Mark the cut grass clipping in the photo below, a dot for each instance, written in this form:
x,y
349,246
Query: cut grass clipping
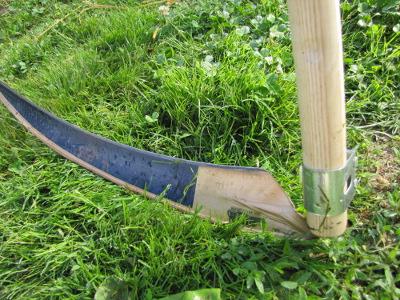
x,y
205,80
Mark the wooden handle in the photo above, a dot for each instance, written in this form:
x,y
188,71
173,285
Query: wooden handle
x,y
318,54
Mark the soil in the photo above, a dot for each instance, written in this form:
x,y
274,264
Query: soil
x,y
386,165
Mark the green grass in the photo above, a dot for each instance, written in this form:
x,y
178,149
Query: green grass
x,y
212,81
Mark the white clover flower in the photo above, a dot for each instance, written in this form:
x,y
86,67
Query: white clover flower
x,y
164,10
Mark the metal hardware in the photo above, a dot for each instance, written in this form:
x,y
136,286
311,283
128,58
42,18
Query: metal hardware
x,y
329,193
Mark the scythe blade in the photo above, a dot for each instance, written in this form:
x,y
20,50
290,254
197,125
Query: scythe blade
x,y
217,191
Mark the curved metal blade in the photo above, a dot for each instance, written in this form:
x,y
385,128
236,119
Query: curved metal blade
x,y
186,184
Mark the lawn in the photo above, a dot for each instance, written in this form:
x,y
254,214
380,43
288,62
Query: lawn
x,y
206,80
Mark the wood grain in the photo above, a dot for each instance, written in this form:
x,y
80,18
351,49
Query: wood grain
x,y
318,55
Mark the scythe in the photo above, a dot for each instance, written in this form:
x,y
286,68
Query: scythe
x,y
223,192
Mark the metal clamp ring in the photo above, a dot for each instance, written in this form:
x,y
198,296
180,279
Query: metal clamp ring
x,y
329,193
